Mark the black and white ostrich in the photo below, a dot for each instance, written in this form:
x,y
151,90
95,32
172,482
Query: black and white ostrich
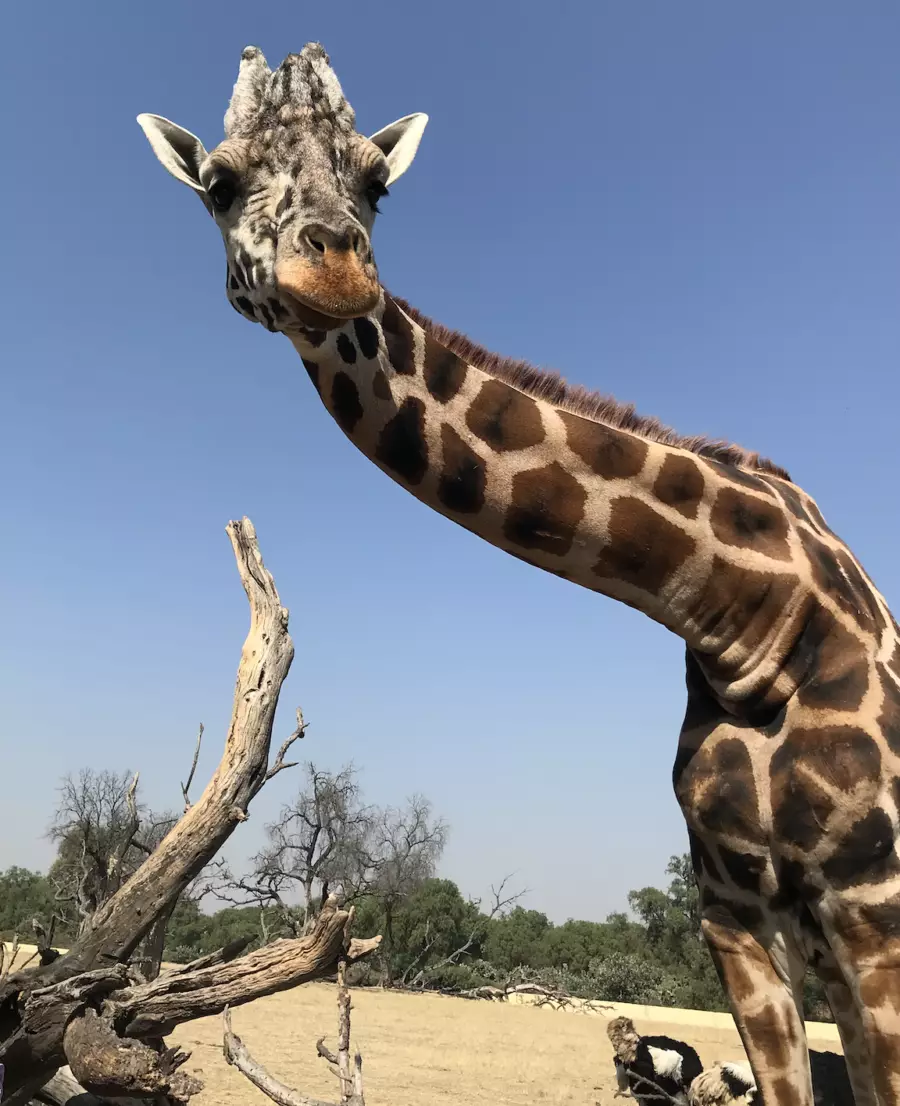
x,y
656,1071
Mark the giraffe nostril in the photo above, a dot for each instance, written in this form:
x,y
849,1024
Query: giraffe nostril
x,y
315,243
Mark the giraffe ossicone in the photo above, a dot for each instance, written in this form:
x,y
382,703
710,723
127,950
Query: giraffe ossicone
x,y
788,763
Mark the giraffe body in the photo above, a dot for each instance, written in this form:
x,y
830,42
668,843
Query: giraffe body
x,y
788,763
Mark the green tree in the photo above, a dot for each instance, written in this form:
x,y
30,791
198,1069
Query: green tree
x,y
24,895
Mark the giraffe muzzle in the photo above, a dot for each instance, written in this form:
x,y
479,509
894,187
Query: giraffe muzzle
x,y
334,282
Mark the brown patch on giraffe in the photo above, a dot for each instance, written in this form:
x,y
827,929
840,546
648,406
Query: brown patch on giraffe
x,y
702,709
839,579
745,869
547,504
768,1035
312,371
701,858
444,372
345,405
747,522
885,1067
889,718
610,453
553,389
401,445
839,678
717,792
398,339
504,418
644,549
733,598
380,386
462,482
680,484
843,758
865,854
883,918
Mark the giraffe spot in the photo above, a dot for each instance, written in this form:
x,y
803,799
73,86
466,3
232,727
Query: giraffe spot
x,y
367,336
680,484
401,444
643,548
832,577
731,474
268,320
702,707
444,372
505,418
790,496
746,522
345,403
245,307
314,337
547,506
312,370
232,282
885,1049
794,888
807,766
717,792
883,918
346,349
277,310
248,268
865,854
380,386
702,859
839,677
765,1031
736,600
612,454
398,338
287,198
744,869
461,486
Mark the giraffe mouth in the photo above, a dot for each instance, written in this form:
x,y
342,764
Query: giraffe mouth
x,y
311,318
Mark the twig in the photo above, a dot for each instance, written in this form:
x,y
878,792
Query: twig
x,y
297,735
186,787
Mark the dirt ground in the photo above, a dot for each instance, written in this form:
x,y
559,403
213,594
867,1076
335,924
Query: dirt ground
x,y
427,1049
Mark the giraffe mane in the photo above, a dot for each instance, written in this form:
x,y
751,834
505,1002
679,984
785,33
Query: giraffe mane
x,y
550,386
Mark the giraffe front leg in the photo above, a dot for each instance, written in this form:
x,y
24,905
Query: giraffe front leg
x,y
765,1011
850,1026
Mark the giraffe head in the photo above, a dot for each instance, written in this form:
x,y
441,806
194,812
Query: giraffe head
x,y
294,189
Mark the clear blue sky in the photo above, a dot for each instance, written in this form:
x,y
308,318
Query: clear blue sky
x,y
693,206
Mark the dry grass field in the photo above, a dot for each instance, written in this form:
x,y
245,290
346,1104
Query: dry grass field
x,y
427,1050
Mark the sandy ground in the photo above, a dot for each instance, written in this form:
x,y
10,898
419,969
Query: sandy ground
x,y
421,1049
428,1049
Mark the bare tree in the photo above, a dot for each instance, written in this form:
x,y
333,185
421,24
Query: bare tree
x,y
404,846
88,1008
318,842
103,834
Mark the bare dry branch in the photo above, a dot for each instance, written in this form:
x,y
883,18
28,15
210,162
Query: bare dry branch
x,y
350,1075
298,734
186,786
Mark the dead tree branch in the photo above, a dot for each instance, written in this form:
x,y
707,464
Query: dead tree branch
x,y
186,786
88,1002
349,1073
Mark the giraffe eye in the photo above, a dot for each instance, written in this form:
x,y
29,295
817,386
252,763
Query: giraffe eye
x,y
221,194
375,191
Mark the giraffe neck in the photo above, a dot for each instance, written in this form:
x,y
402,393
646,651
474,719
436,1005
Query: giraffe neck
x,y
707,548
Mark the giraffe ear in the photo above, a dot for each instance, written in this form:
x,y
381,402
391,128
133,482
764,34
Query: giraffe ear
x,y
180,152
399,141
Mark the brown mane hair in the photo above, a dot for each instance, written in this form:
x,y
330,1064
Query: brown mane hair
x,y
550,386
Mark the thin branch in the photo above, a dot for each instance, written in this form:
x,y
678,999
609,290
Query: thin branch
x,y
186,787
298,734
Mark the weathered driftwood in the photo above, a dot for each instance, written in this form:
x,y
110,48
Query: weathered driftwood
x,y
350,1076
89,1008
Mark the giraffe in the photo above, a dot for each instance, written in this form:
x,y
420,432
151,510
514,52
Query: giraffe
x,y
788,762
